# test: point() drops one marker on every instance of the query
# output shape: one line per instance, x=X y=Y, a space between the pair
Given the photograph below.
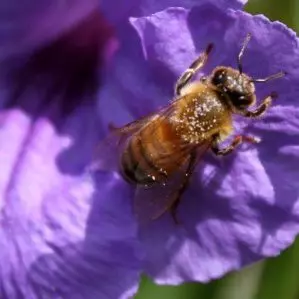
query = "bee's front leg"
x=261 y=109
x=195 y=66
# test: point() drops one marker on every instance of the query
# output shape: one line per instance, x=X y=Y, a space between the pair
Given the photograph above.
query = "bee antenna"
x=271 y=77
x=241 y=53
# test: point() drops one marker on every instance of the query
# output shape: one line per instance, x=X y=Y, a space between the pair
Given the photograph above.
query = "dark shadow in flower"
x=59 y=79
x=67 y=68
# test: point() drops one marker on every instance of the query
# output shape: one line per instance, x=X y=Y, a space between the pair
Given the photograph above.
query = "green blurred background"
x=276 y=278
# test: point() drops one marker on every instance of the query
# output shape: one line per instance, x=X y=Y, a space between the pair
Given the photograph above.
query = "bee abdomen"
x=138 y=165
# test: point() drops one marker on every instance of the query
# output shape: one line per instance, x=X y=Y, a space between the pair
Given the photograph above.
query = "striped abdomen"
x=153 y=153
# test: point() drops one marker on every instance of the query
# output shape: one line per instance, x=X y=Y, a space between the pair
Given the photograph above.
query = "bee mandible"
x=159 y=152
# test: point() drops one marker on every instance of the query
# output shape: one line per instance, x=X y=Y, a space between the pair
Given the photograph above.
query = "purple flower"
x=138 y=8
x=60 y=237
x=65 y=235
x=238 y=209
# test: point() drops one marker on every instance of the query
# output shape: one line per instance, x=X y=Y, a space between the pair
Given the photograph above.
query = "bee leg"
x=195 y=66
x=236 y=142
x=183 y=186
x=261 y=109
x=112 y=127
x=173 y=211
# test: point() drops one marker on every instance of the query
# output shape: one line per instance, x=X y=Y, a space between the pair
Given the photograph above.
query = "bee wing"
x=106 y=154
x=153 y=201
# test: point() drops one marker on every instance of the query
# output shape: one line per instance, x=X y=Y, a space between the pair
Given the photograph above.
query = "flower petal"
x=59 y=237
x=245 y=206
x=139 y=8
x=66 y=70
x=34 y=23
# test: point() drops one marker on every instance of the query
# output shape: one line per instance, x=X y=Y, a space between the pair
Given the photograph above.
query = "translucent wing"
x=153 y=201
x=108 y=151
x=106 y=155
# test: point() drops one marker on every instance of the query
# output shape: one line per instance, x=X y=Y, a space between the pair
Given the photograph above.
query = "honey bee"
x=159 y=152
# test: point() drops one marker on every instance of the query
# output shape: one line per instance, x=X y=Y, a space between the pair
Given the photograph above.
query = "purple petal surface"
x=59 y=238
x=140 y=8
x=61 y=235
x=238 y=209
x=33 y=23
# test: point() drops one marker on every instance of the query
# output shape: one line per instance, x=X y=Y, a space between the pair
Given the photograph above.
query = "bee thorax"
x=200 y=118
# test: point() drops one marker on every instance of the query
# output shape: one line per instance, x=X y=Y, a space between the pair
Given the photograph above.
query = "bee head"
x=237 y=87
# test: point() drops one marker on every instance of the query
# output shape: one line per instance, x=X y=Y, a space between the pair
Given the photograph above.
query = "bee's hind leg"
x=184 y=184
x=195 y=66
x=112 y=127
x=232 y=146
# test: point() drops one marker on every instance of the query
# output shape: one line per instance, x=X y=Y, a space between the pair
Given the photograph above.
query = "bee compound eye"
x=219 y=78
